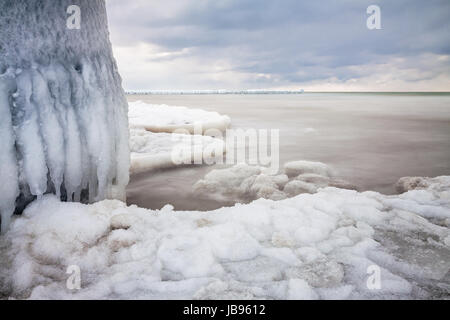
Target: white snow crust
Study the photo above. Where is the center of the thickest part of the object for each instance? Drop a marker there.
(150, 151)
(164, 118)
(243, 182)
(312, 246)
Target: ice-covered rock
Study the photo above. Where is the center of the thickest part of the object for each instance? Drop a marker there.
(426, 191)
(439, 185)
(244, 183)
(164, 118)
(241, 182)
(410, 183)
(314, 178)
(296, 187)
(63, 113)
(264, 186)
(313, 246)
(150, 151)
(295, 168)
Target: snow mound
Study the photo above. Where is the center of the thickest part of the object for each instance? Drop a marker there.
(150, 151)
(164, 118)
(313, 246)
(426, 191)
(438, 184)
(244, 183)
(63, 112)
(295, 187)
(296, 168)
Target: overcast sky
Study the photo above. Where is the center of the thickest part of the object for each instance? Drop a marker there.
(281, 44)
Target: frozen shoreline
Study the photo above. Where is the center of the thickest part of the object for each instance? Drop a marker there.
(312, 246)
(159, 133)
(372, 140)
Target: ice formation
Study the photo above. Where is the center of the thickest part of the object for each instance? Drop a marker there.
(150, 151)
(243, 182)
(295, 168)
(312, 246)
(63, 112)
(419, 183)
(164, 118)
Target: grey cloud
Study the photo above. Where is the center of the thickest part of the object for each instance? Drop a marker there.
(284, 38)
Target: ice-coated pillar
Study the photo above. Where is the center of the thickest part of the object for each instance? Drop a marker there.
(63, 112)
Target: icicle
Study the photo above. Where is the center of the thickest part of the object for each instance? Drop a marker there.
(63, 113)
(9, 184)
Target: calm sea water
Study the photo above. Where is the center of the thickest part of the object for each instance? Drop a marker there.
(371, 139)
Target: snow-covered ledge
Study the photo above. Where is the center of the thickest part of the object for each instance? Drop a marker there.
(63, 112)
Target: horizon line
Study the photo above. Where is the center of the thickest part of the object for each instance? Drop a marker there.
(263, 91)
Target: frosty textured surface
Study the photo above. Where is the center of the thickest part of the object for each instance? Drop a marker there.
(306, 247)
(63, 113)
(164, 118)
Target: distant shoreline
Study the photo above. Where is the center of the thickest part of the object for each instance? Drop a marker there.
(258, 92)
(182, 92)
